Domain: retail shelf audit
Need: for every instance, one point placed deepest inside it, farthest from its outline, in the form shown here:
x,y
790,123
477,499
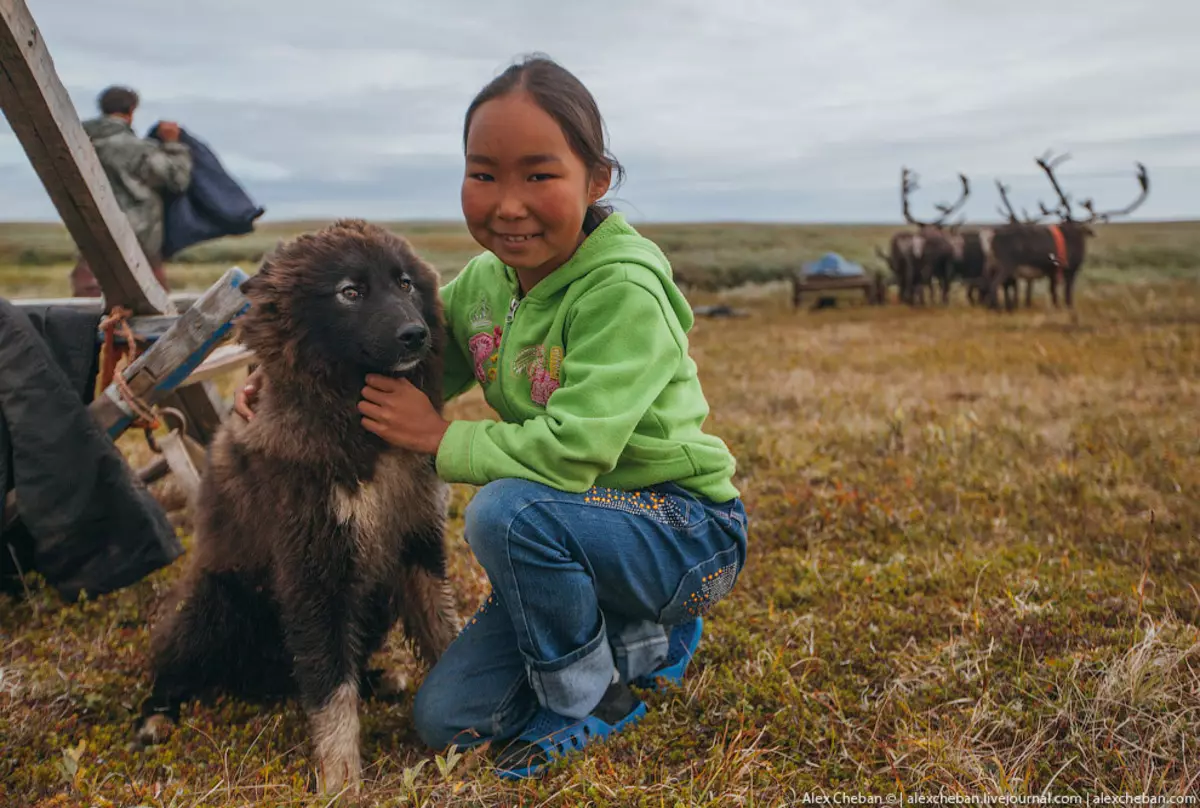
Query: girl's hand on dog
x,y
243,400
401,414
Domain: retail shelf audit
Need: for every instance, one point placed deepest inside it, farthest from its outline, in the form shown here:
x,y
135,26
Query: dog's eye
x,y
351,293
405,284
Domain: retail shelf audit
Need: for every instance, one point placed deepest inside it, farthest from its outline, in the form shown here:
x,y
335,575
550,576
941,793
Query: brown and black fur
x,y
313,536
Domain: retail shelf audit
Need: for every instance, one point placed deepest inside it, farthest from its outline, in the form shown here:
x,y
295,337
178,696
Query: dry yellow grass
x,y
975,554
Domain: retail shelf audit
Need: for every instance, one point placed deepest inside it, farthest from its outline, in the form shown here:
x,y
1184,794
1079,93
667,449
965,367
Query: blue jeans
x,y
582,585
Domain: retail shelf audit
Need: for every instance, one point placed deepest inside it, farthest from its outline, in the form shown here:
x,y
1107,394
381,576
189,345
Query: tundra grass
x,y
974,569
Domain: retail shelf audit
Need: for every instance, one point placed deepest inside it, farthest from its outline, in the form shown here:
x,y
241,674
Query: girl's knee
x,y
490,514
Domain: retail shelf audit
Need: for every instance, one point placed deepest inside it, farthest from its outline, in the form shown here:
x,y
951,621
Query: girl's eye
x,y
481,177
541,177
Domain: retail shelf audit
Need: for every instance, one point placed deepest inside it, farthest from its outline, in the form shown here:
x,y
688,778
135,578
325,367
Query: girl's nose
x,y
511,206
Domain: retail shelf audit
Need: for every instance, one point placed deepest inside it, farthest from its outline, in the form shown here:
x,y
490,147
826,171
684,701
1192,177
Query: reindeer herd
x,y
988,259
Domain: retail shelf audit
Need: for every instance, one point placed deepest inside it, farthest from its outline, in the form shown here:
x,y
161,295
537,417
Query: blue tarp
x,y
832,265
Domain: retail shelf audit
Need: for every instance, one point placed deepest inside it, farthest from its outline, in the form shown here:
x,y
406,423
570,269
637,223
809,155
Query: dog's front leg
x,y
327,675
427,606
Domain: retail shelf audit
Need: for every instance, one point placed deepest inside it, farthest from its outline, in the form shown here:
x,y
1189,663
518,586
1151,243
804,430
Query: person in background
x,y
141,171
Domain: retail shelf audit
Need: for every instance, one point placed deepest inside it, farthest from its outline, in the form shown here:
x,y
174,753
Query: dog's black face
x,y
350,297
369,312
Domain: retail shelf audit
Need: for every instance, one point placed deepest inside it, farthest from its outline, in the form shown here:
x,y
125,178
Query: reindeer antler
x,y
1143,181
949,210
1048,165
908,184
1007,210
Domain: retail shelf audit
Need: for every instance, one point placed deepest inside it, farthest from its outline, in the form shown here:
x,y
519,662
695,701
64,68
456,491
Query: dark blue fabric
x,y
213,206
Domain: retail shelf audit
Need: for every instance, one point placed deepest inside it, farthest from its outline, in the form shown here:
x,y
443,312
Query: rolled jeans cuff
x,y
573,685
639,648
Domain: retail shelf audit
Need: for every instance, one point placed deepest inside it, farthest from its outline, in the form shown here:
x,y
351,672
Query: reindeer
x,y
904,249
1010,213
1056,252
972,251
933,248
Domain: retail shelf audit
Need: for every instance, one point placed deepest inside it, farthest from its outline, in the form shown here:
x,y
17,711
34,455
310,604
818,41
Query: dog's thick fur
x,y
313,536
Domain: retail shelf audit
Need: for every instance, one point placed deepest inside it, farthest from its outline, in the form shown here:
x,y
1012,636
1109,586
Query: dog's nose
x,y
412,336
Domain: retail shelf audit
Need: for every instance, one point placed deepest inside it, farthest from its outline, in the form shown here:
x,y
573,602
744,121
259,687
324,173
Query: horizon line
x,y
720,221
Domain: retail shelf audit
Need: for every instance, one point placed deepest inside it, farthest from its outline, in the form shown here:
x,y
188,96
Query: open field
x,y
974,566
37,257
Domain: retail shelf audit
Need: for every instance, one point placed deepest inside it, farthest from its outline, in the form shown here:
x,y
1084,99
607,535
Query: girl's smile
x,y
525,192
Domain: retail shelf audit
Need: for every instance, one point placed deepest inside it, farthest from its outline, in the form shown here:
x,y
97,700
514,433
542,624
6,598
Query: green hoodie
x,y
590,373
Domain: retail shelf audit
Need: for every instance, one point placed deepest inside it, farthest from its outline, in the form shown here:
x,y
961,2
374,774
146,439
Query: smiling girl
x,y
606,519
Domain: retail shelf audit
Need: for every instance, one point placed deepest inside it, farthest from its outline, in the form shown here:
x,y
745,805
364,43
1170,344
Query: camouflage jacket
x,y
140,170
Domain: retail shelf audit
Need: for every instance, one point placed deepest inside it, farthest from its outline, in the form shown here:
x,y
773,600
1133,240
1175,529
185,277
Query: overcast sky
x,y
732,110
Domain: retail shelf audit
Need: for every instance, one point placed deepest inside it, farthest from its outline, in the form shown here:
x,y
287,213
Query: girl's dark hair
x,y
564,98
117,101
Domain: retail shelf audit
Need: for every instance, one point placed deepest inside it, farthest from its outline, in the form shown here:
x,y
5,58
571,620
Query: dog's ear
x,y
260,289
262,282
254,285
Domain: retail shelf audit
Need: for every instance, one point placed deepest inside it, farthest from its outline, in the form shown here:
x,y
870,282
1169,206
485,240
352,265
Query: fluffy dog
x,y
313,536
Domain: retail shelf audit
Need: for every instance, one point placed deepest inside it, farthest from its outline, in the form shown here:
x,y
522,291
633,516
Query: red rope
x,y
116,359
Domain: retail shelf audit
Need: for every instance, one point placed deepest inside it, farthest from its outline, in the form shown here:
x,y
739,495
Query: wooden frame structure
x,y
45,123
872,284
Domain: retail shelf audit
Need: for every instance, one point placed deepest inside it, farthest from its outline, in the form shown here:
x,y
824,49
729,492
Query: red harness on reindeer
x,y
1059,256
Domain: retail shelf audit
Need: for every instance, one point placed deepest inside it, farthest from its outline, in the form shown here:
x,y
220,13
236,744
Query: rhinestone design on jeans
x,y
713,588
483,607
639,503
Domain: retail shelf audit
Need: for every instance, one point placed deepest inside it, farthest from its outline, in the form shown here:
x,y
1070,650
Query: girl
x,y
607,522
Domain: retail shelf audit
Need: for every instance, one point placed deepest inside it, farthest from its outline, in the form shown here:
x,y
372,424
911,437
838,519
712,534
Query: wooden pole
x,y
42,117
44,120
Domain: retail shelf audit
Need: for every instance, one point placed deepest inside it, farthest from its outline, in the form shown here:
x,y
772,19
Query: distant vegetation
x,y
705,256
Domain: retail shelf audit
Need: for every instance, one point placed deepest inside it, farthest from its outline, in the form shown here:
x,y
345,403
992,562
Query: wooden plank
x,y
202,405
44,120
159,372
181,300
804,284
221,361
821,284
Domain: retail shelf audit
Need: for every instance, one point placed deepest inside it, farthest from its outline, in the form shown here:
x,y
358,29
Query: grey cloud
x,y
764,109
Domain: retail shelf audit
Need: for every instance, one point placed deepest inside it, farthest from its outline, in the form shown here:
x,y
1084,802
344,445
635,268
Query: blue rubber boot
x,y
681,647
549,736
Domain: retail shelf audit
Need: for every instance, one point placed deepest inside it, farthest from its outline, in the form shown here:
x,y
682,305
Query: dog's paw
x,y
340,773
384,685
154,730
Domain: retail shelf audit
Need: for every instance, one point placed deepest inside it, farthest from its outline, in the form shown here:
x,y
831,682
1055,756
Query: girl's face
x,y
525,192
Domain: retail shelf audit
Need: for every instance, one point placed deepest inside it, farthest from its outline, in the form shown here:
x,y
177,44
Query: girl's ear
x,y
599,184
